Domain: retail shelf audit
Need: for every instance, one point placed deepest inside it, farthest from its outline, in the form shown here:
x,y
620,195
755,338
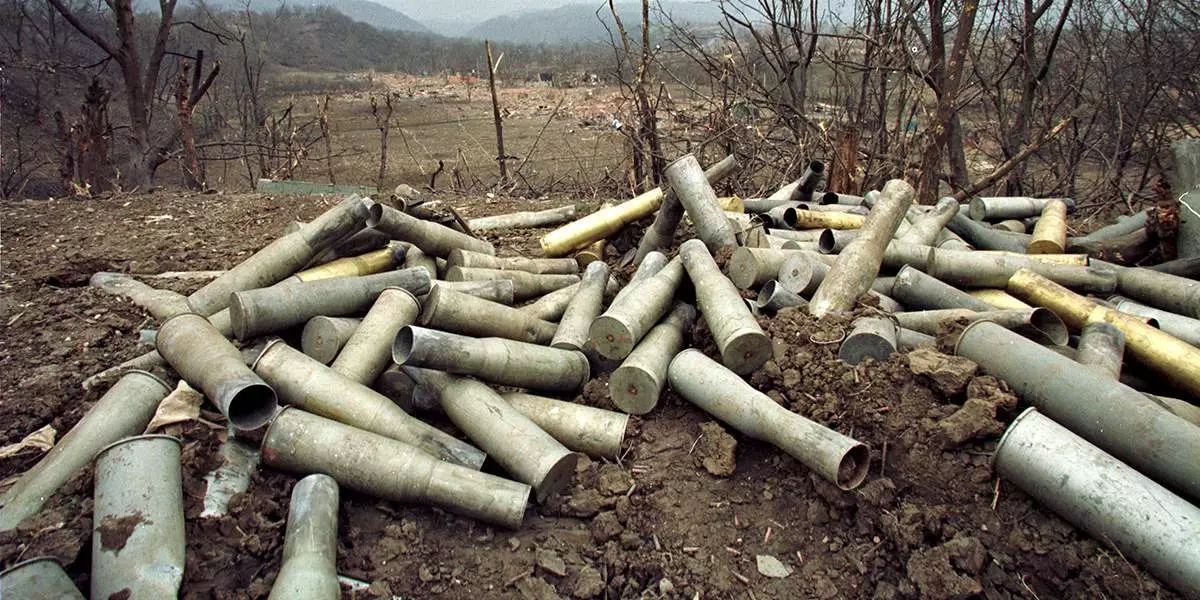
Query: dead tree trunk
x,y
946,76
501,157
383,121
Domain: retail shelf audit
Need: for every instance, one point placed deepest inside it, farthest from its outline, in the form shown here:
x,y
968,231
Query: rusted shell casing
x,y
124,410
161,304
1184,328
724,395
259,312
369,351
812,219
497,360
1104,497
593,431
926,227
40,578
370,263
1038,324
542,266
634,311
1011,207
211,364
858,265
869,337
1050,234
774,296
599,225
1090,404
138,538
918,291
283,257
414,258
300,442
451,311
525,219
309,568
496,290
689,183
1166,354
572,332
525,285
1102,346
661,233
397,386
635,386
752,267
432,238
309,385
323,337
514,441
743,345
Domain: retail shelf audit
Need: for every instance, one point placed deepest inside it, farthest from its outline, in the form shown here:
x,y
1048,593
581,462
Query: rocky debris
x,y
994,392
976,419
606,527
716,450
944,572
589,584
550,562
949,374
533,588
769,566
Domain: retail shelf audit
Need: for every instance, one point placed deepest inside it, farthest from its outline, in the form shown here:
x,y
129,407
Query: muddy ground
x,y
684,514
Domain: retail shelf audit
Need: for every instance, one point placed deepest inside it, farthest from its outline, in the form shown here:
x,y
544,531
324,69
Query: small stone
x,y
606,526
514,544
613,480
976,419
533,588
589,584
769,566
949,374
665,586
551,562
425,574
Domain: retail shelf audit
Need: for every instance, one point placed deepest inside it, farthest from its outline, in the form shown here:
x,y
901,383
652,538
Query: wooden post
x,y
500,156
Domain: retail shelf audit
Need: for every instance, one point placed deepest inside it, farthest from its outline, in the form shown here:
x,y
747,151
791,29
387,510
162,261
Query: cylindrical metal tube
x,y
1184,328
743,345
807,184
780,217
999,299
774,296
635,386
38,579
813,219
282,257
526,451
802,273
986,238
579,234
908,340
307,384
869,337
1161,290
977,269
138,538
414,258
1115,417
370,263
699,201
525,219
398,387
1103,496
161,304
918,291
551,307
634,311
1013,225
1166,354
1038,324
363,241
1050,234
124,410
572,332
926,227
496,290
724,395
858,265
807,235
258,312
542,266
1011,207
660,234
1101,345
649,266
592,431
211,364
366,462
500,361
591,254
525,285
309,569
369,350
1081,260
323,337
459,313
843,199
751,267
432,238
833,241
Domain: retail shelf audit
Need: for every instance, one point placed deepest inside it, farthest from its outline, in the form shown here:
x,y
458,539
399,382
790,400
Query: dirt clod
x,y
716,451
949,374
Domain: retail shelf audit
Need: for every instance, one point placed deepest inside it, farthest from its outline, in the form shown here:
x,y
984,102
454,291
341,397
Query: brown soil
x,y
930,521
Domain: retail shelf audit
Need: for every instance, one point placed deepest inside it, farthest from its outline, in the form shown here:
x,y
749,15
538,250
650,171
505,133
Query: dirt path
x,y
931,521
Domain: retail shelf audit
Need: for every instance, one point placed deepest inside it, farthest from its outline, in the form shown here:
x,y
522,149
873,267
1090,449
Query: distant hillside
x,y
578,23
363,11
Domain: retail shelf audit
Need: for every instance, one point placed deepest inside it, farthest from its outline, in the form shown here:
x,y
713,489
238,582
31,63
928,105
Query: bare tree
x,y
383,122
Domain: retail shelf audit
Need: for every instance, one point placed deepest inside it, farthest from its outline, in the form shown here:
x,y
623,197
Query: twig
x,y
996,494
